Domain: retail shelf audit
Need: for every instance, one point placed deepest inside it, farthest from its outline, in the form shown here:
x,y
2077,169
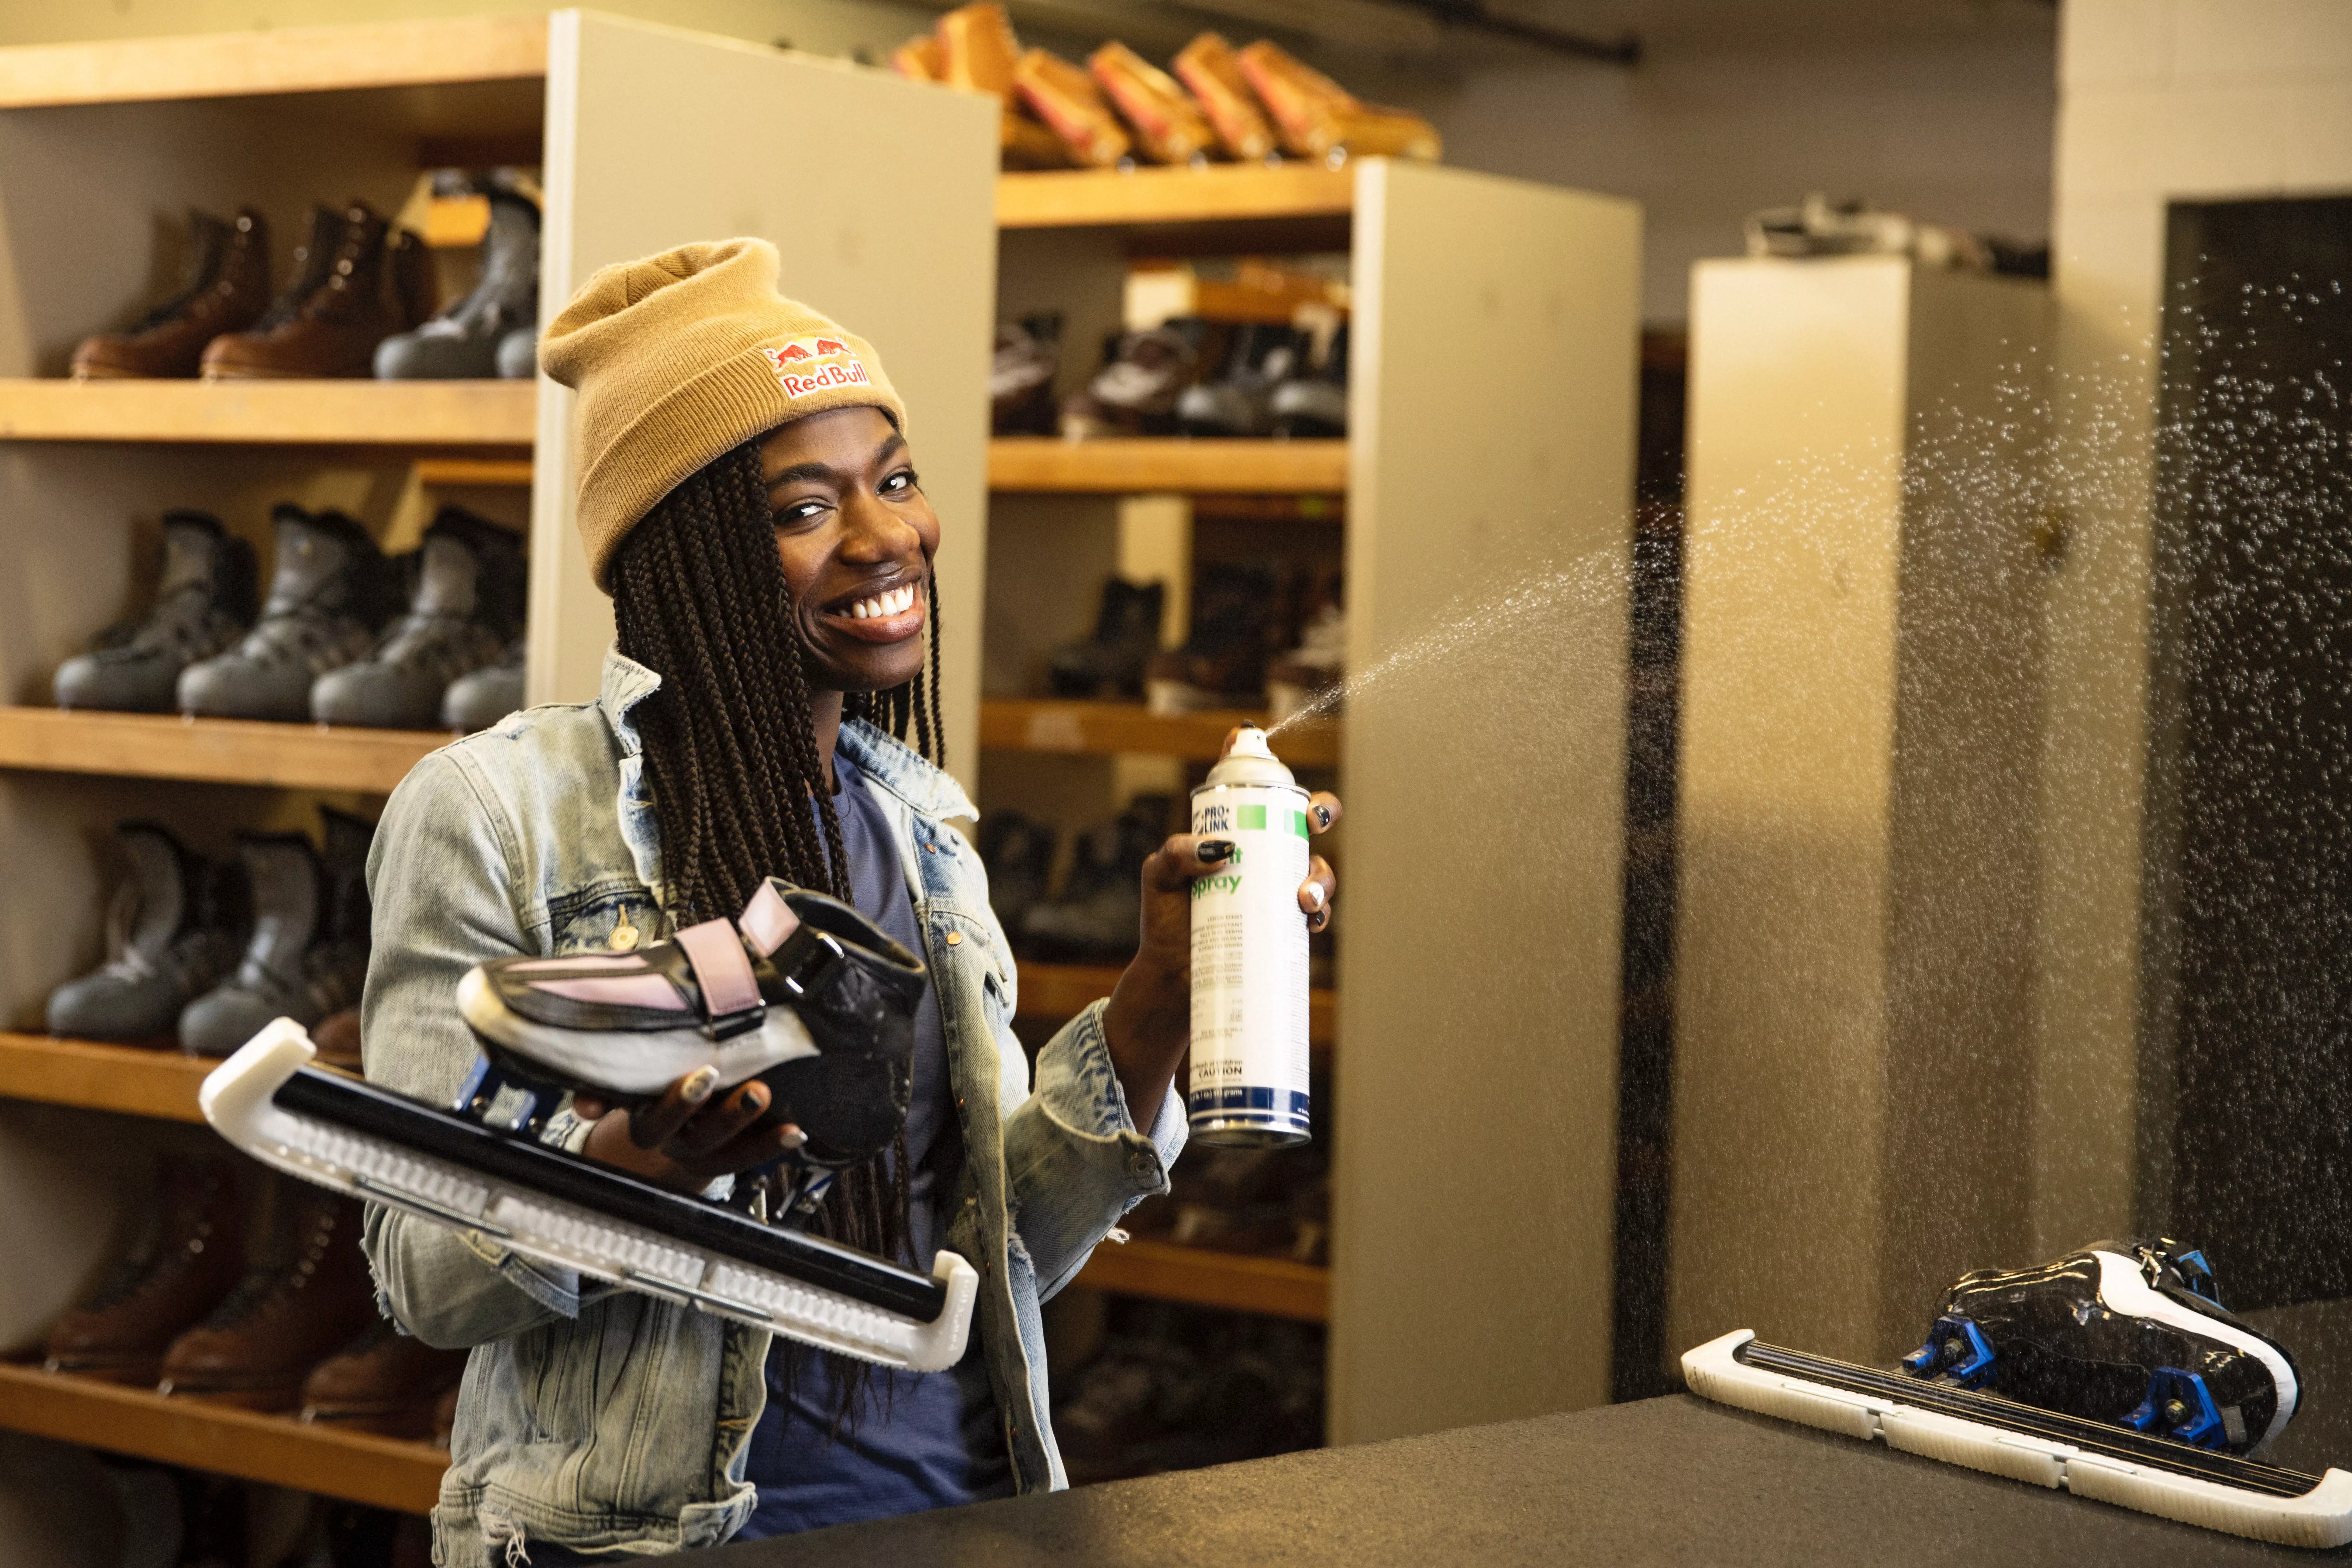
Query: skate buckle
x,y
2179,1407
1955,1351
807,957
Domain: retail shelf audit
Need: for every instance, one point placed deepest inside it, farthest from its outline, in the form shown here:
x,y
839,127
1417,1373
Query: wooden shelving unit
x,y
124,1078
1275,1286
1102,729
218,751
359,1467
1097,199
512,473
1061,990
1179,463
370,414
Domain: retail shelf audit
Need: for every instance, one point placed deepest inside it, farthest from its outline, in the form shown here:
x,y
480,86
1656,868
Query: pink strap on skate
x,y
768,920
720,968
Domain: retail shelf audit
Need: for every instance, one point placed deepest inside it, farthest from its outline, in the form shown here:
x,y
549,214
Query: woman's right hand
x,y
689,1137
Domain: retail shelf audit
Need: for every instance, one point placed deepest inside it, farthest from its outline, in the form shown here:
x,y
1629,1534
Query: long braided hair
x,y
730,754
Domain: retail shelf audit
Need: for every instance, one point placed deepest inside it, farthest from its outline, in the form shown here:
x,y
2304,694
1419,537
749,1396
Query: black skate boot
x,y
462,342
173,933
2129,1332
204,605
1098,919
480,700
1019,854
466,606
1127,634
309,953
331,589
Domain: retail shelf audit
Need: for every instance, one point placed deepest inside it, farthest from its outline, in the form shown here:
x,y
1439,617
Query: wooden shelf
x,y
280,60
1169,463
502,472
221,751
1038,724
124,1078
1168,1272
355,413
1062,990
384,1472
1097,199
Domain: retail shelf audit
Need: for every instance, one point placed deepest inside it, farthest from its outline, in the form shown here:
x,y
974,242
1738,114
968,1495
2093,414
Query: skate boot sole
x,y
627,1065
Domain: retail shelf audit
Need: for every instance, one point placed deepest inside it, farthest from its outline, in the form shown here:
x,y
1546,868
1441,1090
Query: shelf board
x,y
1169,463
506,473
354,413
1146,196
279,60
359,1467
220,751
1167,1272
1062,990
122,1079
1040,724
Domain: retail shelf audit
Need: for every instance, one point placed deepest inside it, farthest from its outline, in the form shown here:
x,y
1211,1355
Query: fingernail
x,y
1214,850
1315,892
756,1097
697,1087
1322,816
795,1137
1318,920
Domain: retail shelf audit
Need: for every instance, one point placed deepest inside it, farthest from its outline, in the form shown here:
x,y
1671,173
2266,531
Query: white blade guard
x,y
358,1139
2001,1438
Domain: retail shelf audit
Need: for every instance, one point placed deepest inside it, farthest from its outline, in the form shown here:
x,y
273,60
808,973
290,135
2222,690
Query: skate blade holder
x,y
366,1143
2001,1438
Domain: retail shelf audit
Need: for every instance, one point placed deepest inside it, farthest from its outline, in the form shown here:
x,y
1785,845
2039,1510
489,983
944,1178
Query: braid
x,y
730,757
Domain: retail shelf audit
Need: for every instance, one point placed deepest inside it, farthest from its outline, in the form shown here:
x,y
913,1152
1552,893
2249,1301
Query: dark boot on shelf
x,y
1135,392
1223,664
1239,402
384,1381
518,354
203,606
186,1255
373,282
309,953
1127,634
462,342
467,607
337,1039
333,588
1313,403
1019,854
1098,919
173,933
480,700
306,1296
227,289
1021,376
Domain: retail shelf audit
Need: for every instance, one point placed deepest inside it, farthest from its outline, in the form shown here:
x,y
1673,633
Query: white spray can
x,y
1249,954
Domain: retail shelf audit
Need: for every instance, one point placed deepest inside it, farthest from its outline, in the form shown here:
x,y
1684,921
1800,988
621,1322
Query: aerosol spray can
x,y
1249,954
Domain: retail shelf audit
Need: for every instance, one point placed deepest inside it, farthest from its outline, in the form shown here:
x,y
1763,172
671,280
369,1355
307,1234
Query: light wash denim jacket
x,y
600,1418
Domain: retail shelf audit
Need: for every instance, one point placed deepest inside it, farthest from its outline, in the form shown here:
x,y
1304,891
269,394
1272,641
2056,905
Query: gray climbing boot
x,y
331,590
172,933
478,701
467,607
309,953
462,342
204,605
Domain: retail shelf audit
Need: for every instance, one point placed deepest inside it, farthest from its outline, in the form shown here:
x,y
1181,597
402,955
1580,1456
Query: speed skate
x,y
2113,1373
801,994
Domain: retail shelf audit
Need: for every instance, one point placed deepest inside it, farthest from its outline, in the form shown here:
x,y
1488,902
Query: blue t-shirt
x,y
924,1440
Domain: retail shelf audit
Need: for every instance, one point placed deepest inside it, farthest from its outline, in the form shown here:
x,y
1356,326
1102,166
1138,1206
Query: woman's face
x,y
856,538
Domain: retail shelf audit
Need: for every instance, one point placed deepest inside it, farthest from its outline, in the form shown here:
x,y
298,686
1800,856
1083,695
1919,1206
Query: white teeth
x,y
896,602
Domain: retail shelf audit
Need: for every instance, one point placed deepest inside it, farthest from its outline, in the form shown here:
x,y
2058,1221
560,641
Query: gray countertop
x,y
1664,1481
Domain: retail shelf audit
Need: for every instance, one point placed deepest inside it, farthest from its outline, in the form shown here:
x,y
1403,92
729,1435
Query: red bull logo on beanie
x,y
808,365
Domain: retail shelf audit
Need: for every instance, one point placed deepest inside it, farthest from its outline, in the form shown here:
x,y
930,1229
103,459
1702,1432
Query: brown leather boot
x,y
308,1296
227,291
184,1259
384,1381
337,1038
334,329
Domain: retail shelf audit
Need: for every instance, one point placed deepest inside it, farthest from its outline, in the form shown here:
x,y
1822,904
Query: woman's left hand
x,y
1149,1021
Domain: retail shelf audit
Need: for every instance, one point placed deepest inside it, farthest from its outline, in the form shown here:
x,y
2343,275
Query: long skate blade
x,y
361,1140
2003,1437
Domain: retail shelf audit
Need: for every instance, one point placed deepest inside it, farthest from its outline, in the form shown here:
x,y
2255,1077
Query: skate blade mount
x,y
360,1139
2003,1437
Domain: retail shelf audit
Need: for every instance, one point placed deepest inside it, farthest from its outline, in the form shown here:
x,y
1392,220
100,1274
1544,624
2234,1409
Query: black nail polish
x,y
1322,816
1214,851
1318,920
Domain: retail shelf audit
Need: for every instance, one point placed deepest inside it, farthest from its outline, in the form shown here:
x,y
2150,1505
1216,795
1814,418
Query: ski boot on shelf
x,y
2131,1332
2112,1371
801,993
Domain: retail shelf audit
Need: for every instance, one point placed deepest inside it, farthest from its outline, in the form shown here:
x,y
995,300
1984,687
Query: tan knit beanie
x,y
681,357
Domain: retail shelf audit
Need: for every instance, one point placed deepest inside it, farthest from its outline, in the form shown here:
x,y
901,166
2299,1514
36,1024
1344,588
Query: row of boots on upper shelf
x,y
1239,611
1251,105
348,635
1093,916
211,951
1188,376
359,302
270,1311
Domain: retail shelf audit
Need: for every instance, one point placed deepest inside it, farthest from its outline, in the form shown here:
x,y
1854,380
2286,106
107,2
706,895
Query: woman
x,y
749,499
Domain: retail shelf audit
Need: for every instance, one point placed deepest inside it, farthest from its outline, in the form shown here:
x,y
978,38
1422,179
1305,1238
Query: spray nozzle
x,y
1249,761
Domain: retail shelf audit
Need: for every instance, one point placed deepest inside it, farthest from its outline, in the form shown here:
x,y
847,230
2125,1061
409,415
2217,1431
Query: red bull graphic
x,y
799,365
790,351
828,346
